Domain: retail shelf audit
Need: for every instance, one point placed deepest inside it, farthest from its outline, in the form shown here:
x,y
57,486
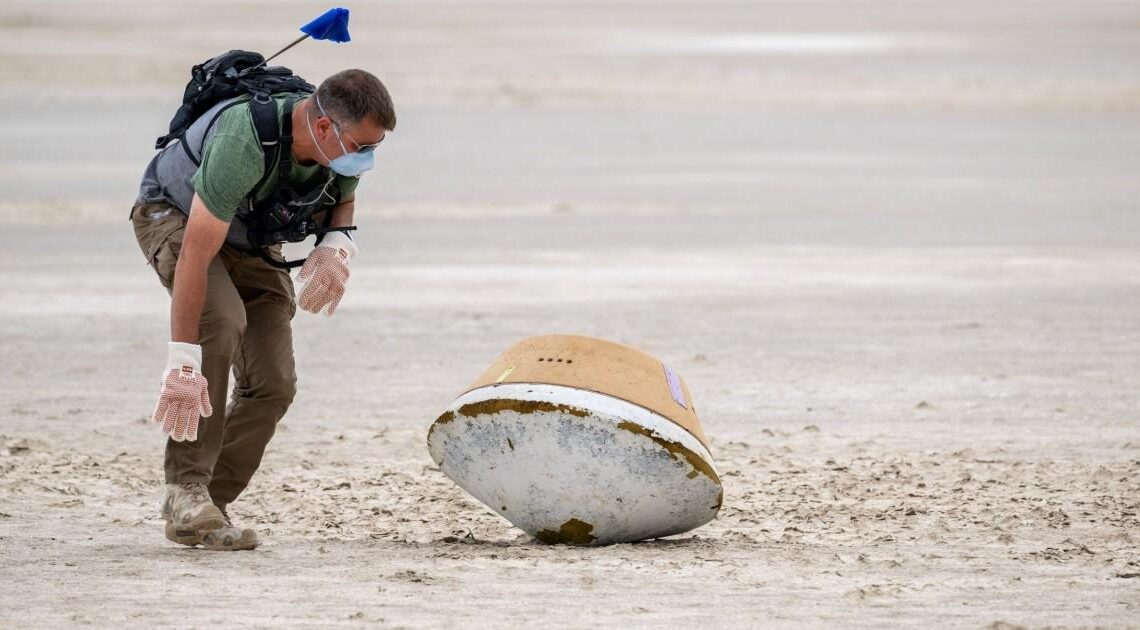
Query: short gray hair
x,y
351,96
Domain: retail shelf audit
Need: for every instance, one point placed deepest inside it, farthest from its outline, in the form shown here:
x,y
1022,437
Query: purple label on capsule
x,y
675,386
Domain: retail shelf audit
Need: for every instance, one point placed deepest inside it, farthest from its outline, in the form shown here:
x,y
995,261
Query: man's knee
x,y
273,393
284,390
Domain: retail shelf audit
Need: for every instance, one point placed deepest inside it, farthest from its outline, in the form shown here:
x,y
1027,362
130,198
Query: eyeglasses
x,y
360,148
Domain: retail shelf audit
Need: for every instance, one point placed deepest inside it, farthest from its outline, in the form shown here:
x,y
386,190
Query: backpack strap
x,y
285,155
264,113
276,143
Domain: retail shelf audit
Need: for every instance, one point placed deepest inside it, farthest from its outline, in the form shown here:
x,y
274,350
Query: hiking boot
x,y
225,538
189,512
229,538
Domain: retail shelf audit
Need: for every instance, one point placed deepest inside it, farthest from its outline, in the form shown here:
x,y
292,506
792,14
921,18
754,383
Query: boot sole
x,y
186,537
214,541
211,540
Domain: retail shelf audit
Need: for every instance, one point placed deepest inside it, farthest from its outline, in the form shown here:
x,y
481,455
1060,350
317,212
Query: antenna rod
x,y
295,42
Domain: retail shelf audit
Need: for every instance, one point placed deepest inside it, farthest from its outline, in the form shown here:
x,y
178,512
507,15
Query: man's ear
x,y
321,123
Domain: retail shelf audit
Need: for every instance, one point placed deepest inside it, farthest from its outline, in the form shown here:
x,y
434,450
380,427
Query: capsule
x,y
582,441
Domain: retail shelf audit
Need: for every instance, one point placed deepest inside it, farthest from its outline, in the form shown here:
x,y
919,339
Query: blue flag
x,y
332,25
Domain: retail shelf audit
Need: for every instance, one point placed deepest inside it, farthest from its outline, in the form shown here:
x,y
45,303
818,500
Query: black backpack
x,y
236,73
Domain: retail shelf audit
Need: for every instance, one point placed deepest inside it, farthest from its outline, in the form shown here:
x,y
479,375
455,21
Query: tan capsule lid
x,y
601,366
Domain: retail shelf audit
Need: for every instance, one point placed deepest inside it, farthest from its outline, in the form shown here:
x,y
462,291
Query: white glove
x,y
325,273
185,395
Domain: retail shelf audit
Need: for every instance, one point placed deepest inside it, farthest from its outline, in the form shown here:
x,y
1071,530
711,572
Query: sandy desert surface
x,y
893,248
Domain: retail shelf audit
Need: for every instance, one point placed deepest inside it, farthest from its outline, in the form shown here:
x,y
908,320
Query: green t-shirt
x,y
233,163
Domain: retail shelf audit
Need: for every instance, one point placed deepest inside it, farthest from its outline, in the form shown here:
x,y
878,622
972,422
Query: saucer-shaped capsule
x,y
581,441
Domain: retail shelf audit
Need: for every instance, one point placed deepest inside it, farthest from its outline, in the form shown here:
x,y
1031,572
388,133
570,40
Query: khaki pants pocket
x,y
159,229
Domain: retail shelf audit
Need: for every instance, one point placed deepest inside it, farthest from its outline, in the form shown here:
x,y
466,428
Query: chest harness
x,y
290,214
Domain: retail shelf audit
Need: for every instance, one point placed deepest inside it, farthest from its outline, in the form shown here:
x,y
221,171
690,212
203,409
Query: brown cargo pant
x,y
246,326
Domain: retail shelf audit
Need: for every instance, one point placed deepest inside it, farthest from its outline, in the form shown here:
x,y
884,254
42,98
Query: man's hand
x,y
185,395
325,273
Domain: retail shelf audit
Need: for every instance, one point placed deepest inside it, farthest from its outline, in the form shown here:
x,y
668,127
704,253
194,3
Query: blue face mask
x,y
348,164
352,164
